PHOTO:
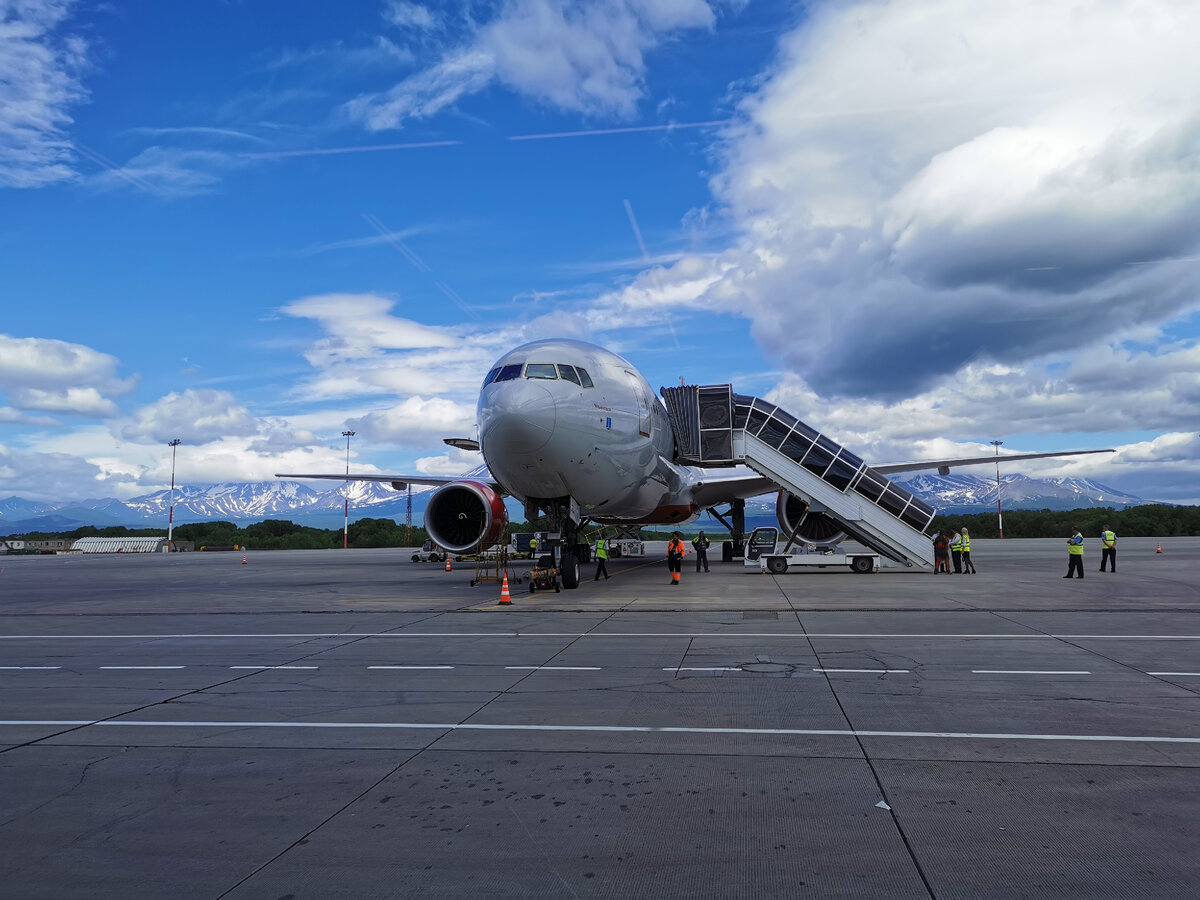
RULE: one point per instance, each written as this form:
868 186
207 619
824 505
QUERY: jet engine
465 516
818 528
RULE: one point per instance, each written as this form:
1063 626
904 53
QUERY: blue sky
919 226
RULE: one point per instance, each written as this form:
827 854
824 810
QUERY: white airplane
575 430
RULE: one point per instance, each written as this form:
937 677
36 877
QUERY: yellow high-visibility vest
1076 545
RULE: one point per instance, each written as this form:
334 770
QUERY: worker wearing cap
700 542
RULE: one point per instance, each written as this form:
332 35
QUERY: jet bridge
715 427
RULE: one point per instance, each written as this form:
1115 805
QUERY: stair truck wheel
862 564
776 565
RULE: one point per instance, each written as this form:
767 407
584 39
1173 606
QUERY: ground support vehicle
625 547
429 552
764 554
544 576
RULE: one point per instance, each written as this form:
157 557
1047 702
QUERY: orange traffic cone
447 562
243 559
1158 549
505 597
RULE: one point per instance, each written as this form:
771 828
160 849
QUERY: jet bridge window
509 373
776 429
758 415
568 373
541 370
843 470
798 442
870 485
919 514
817 459
894 499
584 378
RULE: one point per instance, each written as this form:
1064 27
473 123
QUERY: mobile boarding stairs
715 427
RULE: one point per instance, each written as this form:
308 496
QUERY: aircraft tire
570 571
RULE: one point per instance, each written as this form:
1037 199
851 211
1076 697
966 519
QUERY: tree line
282 534
1132 521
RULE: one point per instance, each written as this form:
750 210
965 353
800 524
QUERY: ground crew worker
1108 548
601 558
941 553
676 551
1074 553
533 547
700 542
968 566
956 552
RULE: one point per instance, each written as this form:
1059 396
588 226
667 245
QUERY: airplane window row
827 459
545 371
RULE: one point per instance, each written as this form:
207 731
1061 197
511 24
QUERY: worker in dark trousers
956 551
967 565
941 553
700 544
1075 554
1108 548
601 558
676 551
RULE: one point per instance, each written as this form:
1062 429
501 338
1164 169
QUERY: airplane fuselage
563 418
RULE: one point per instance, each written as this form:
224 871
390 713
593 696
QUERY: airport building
125 545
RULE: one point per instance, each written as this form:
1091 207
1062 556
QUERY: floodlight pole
346 531
999 509
171 518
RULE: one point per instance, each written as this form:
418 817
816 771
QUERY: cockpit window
491 376
508 373
584 378
541 370
568 372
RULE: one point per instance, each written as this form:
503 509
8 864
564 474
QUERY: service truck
764 553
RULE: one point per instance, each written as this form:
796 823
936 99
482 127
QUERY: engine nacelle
465 516
818 528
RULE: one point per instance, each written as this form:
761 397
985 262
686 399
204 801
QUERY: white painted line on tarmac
557 668
274 667
410 667
621 729
1024 672
24 668
868 671
139 668
701 669
1176 674
613 634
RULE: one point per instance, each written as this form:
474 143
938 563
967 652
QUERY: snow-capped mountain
966 493
323 506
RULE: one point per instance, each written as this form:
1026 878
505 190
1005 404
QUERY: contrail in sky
330 151
419 263
633 129
637 232
107 163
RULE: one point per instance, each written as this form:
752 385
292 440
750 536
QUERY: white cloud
360 325
403 14
79 401
195 417
417 422
920 185
584 57
40 70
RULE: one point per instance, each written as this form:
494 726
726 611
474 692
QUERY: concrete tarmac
351 724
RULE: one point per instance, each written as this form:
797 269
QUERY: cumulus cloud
920 185
40 81
195 416
417 422
56 376
79 401
584 57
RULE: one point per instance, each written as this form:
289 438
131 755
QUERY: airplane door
642 402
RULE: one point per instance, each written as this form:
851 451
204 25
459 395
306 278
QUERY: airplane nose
519 419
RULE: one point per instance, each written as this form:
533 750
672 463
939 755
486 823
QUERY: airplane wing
944 465
400 482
